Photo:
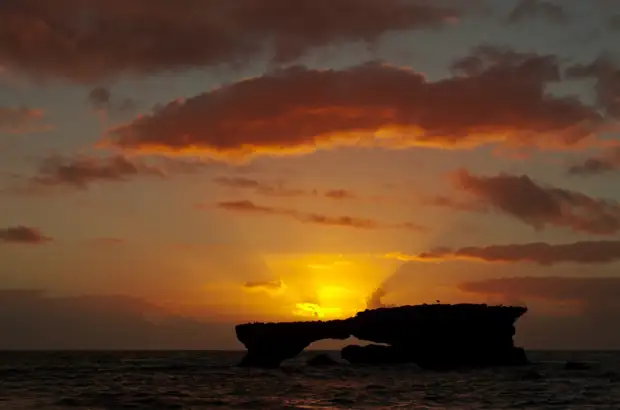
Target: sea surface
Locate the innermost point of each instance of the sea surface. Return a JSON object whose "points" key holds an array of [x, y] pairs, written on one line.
{"points": [[210, 380]]}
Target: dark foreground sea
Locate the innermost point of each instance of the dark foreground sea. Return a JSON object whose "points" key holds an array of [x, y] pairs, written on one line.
{"points": [[210, 380]]}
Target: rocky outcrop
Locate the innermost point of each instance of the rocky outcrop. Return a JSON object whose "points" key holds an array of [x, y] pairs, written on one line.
{"points": [[433, 336], [269, 344]]}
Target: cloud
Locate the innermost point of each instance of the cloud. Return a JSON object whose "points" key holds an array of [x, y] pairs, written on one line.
{"points": [[17, 120], [94, 40], [541, 206], [279, 189], [527, 9], [609, 161], [100, 98], [24, 235], [456, 204], [313, 218], [496, 96], [273, 286], [607, 75], [374, 301], [584, 252], [339, 194], [261, 188], [57, 172], [81, 171]]}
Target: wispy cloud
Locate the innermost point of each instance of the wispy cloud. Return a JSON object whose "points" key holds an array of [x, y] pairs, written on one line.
{"points": [[541, 253], [250, 207], [24, 235], [17, 120], [541, 205]]}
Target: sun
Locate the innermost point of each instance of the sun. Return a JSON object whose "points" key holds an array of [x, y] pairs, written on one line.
{"points": [[328, 286], [314, 310], [332, 302]]}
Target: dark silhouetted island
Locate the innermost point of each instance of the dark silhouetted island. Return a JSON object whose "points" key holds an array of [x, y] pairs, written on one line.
{"points": [[432, 336]]}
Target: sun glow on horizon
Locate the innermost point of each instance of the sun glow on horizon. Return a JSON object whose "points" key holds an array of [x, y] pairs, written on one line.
{"points": [[328, 286], [316, 311]]}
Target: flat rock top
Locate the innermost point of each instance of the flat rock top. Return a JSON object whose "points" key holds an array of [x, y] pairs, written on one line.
{"points": [[410, 313]]}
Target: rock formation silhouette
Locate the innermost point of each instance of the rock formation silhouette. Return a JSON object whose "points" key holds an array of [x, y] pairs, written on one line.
{"points": [[436, 336]]}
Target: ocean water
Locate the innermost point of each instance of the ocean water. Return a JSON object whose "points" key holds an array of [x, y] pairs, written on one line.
{"points": [[210, 380]]}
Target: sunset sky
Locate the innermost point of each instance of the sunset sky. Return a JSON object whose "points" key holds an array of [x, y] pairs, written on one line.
{"points": [[171, 168]]}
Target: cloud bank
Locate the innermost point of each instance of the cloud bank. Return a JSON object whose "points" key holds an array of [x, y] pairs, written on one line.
{"points": [[496, 96], [94, 40]]}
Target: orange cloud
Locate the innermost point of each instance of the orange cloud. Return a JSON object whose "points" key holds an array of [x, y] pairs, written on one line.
{"points": [[24, 235], [540, 206], [16, 120], [93, 40], [309, 217], [498, 96], [585, 252]]}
